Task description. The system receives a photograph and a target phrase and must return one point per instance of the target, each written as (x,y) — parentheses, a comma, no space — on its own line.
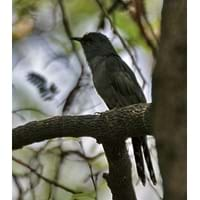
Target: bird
(47,91)
(117,85)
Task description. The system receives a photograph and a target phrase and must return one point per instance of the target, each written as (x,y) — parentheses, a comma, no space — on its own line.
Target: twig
(148,23)
(151,29)
(137,16)
(110,10)
(18,185)
(17,112)
(83,156)
(52,182)
(91,171)
(68,31)
(28,109)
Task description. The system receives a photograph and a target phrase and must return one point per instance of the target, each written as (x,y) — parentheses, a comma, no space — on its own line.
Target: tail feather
(147,157)
(139,159)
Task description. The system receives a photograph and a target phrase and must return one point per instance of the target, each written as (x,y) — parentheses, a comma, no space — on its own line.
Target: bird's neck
(95,62)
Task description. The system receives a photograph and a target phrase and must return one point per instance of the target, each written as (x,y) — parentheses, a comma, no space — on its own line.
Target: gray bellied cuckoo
(117,85)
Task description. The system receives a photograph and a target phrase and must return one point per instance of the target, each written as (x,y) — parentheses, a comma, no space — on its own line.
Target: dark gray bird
(117,85)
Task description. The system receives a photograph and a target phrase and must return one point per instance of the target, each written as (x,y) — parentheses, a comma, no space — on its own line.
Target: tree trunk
(170,100)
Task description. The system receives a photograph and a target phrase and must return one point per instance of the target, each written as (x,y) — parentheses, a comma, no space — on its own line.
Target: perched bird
(116,83)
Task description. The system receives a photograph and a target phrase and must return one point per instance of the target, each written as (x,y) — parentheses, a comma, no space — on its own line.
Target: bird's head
(95,44)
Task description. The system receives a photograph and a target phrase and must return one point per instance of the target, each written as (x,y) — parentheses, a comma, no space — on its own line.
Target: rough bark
(117,123)
(169,99)
(120,166)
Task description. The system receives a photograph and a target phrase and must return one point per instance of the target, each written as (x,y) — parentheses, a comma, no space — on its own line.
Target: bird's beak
(76,38)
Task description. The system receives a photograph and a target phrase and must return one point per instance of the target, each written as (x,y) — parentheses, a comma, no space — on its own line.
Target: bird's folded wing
(124,81)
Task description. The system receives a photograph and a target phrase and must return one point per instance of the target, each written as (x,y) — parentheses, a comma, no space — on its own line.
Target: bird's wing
(124,82)
(123,90)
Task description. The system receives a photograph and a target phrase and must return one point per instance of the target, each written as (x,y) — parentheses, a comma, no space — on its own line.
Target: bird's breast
(102,83)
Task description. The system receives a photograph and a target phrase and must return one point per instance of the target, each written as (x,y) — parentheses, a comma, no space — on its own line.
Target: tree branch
(131,121)
(110,128)
(119,178)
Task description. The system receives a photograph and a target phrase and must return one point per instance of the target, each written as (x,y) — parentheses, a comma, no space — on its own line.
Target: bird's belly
(106,93)
(104,88)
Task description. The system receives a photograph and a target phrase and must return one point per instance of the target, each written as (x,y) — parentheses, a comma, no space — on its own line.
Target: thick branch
(119,179)
(120,123)
(110,128)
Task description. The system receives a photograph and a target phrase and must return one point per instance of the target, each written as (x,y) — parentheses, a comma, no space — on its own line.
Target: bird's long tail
(140,143)
(147,157)
(139,159)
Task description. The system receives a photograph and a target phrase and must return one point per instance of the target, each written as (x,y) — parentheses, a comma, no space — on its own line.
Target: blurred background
(51,77)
